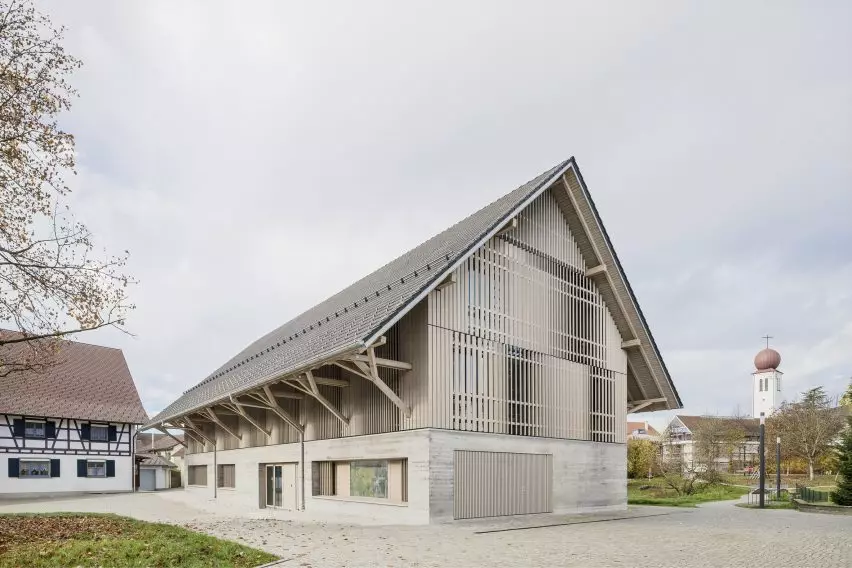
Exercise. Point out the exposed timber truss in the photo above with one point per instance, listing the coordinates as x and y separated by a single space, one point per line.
305 384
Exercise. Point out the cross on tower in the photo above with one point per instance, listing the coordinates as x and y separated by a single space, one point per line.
767 338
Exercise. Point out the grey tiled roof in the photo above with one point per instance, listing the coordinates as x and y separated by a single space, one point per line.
157 461
86 382
351 316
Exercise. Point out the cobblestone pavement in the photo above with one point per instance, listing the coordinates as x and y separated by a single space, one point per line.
716 534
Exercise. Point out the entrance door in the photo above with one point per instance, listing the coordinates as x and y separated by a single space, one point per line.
281 485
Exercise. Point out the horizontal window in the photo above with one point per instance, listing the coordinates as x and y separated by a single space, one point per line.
34 429
373 479
99 433
197 475
95 468
368 479
225 476
34 468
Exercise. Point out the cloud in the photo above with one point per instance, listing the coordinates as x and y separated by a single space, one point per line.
257 158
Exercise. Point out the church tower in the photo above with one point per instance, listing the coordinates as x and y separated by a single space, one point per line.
766 390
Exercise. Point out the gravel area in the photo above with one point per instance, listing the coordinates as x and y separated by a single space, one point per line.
716 534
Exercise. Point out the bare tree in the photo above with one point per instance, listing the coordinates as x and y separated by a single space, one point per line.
51 282
716 438
808 427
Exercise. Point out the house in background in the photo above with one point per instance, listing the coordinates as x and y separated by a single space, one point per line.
155 473
169 449
508 347
68 428
642 431
734 452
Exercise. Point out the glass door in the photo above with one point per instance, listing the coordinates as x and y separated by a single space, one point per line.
274 487
278 488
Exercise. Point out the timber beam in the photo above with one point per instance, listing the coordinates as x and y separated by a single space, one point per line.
374 361
631 343
162 429
312 388
212 414
370 371
242 412
638 405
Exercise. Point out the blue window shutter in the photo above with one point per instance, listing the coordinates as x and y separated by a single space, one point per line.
18 428
81 468
110 468
49 429
113 433
54 468
14 467
85 431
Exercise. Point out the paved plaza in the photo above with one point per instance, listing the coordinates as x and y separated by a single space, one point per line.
716 534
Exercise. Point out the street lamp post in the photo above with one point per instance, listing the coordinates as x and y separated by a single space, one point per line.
778 467
762 450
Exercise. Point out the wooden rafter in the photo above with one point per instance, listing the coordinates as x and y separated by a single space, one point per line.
272 404
373 370
170 435
242 412
196 430
212 414
314 390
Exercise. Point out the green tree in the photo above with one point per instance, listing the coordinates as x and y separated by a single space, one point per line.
843 494
52 282
641 455
846 399
808 427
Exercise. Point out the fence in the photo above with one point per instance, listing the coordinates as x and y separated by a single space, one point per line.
809 495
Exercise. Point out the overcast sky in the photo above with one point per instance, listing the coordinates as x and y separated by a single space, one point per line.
256 158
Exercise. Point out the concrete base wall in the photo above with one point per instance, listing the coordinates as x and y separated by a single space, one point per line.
588 476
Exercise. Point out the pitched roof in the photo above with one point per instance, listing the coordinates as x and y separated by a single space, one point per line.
358 315
160 442
179 453
750 425
88 382
157 461
633 426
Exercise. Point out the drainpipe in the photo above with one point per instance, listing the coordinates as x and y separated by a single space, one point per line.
302 461
215 469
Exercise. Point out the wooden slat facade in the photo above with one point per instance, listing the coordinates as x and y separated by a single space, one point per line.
521 343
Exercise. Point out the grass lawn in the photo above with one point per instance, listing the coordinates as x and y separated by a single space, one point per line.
69 539
656 493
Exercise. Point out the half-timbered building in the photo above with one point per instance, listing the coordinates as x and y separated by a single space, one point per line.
486 372
68 427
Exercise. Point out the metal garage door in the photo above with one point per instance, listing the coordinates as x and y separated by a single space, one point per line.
147 480
492 484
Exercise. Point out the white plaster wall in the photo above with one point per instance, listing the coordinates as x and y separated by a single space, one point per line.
587 476
68 480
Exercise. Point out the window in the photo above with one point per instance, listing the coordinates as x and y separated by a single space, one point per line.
34 468
99 433
95 468
368 479
33 429
198 475
225 476
377 479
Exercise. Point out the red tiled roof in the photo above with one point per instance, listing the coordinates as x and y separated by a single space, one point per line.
633 426
86 382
